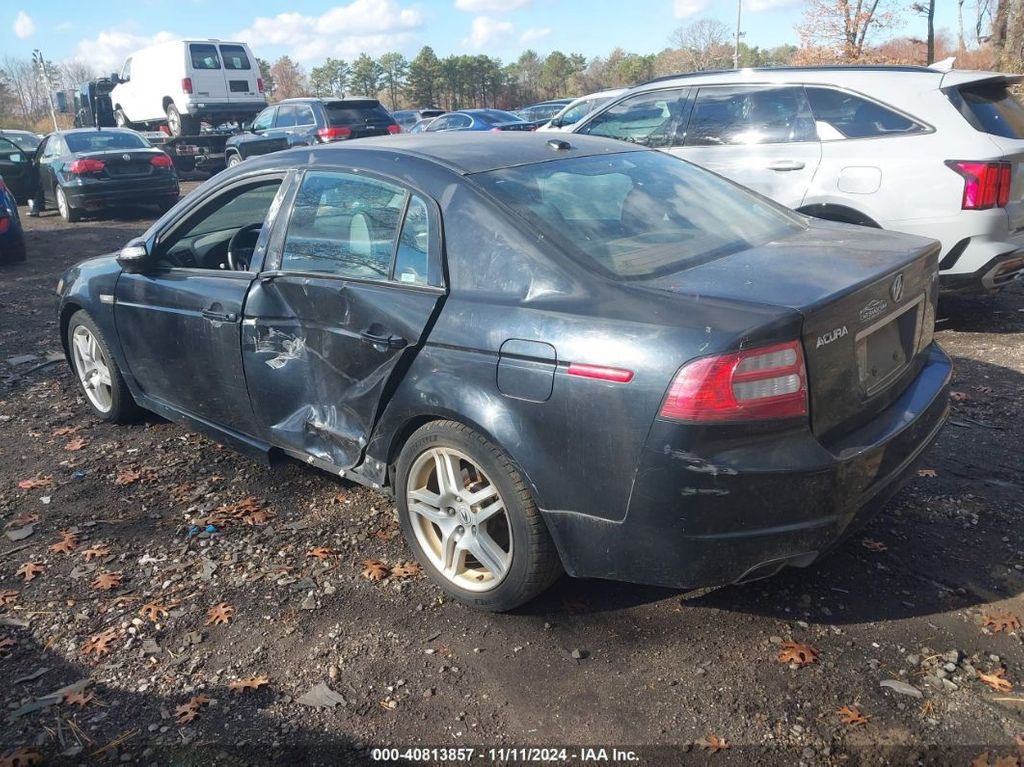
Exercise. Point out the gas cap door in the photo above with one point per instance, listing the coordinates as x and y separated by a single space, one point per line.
526 369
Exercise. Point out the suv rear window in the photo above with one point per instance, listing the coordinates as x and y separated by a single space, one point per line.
990 108
234 57
204 56
348 112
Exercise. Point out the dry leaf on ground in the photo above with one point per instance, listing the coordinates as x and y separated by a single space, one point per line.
852 717
1001 621
127 477
374 570
406 569
36 482
6 645
22 519
98 644
794 652
871 545
714 744
96 552
29 570
8 597
21 757
154 611
958 396
189 711
927 473
252 683
106 581
67 543
996 680
76 444
260 517
78 698
64 431
219 615
321 552
982 760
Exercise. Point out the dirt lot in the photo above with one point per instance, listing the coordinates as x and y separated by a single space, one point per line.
897 619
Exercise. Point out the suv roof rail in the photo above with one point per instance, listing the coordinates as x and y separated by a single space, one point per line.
808 68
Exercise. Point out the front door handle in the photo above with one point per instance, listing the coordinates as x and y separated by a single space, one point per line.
391 342
218 316
786 165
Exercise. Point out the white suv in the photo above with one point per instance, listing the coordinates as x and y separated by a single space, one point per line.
183 82
912 149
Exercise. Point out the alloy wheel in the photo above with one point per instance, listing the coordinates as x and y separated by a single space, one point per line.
62 203
459 519
93 368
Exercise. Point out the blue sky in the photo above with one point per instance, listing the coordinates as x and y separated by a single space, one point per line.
310 30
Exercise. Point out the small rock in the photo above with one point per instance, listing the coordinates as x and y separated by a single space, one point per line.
953 656
901 687
579 654
332 672
914 660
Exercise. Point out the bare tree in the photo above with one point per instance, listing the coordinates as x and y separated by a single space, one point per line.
702 45
927 9
844 25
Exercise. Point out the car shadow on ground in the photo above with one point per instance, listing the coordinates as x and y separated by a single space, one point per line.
990 313
147 213
947 542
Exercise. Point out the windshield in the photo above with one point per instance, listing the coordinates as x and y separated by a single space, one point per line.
348 112
990 108
103 140
638 214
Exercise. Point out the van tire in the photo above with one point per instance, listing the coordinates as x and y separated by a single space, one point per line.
179 124
121 119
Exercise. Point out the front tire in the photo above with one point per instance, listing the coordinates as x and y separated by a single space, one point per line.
69 214
121 119
179 124
102 383
469 518
234 159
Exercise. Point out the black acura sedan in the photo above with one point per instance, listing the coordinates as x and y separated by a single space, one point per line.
576 355
89 169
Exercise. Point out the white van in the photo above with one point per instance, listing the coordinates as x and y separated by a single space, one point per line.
184 82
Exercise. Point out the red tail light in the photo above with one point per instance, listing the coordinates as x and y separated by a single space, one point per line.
259 84
752 385
333 134
393 129
80 167
986 184
161 161
186 85
5 224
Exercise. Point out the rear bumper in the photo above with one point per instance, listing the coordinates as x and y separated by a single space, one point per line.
100 194
998 273
225 110
746 506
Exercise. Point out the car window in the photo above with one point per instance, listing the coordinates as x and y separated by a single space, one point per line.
348 112
636 215
26 141
126 71
10 151
304 115
459 121
852 116
234 57
204 56
99 141
438 124
412 259
286 116
652 118
750 115
343 225
265 119
991 108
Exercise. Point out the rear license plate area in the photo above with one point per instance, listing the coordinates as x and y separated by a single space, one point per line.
886 348
128 169
186 150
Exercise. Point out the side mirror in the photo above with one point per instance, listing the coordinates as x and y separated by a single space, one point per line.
133 256
115 78
246 127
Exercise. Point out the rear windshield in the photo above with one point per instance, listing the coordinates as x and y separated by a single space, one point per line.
990 108
638 214
204 56
103 140
348 112
234 57
496 116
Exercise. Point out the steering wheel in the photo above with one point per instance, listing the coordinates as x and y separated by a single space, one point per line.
239 250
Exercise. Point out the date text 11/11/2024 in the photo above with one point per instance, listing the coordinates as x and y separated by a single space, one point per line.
587 754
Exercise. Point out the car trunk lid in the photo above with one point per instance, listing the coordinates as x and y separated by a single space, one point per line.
868 304
125 163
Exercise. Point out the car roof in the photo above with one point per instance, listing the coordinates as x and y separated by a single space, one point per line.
69 131
329 100
16 130
466 152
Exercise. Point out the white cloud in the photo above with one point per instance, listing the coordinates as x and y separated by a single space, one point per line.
490 6
684 9
487 31
24 26
772 5
533 34
343 31
108 50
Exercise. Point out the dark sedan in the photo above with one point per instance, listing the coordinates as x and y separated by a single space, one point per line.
12 238
555 355
479 120
89 169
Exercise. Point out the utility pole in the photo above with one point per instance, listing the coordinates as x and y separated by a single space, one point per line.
736 49
45 78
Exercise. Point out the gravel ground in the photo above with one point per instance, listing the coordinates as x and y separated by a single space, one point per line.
897 617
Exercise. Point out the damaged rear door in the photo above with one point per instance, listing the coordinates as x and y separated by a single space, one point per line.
353 283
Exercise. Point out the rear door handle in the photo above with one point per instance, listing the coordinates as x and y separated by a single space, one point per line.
391 342
786 165
215 316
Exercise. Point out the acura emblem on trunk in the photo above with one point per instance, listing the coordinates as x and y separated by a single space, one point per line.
896 289
126 157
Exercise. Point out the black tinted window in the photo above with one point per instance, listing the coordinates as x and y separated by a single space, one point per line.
348 112
750 115
204 56
991 108
652 118
24 140
234 57
856 117
103 140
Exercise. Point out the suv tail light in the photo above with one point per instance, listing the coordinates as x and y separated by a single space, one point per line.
333 134
259 84
161 161
393 129
80 167
755 384
186 85
986 184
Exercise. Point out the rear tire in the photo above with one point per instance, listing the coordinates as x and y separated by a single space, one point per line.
69 214
179 124
234 159
98 375
121 119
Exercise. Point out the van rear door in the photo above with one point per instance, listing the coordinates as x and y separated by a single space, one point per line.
240 72
205 69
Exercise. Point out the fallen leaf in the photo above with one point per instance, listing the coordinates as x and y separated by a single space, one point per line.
1007 622
64 431
1018 740
127 477
871 545
219 615
30 570
96 552
6 643
189 711
1006 761
252 683
98 644
321 552
794 652
714 744
406 569
927 473
22 520
36 482
66 544
21 757
154 611
852 717
260 517
374 570
106 581
76 444
77 698
958 396
996 680
390 704
8 597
